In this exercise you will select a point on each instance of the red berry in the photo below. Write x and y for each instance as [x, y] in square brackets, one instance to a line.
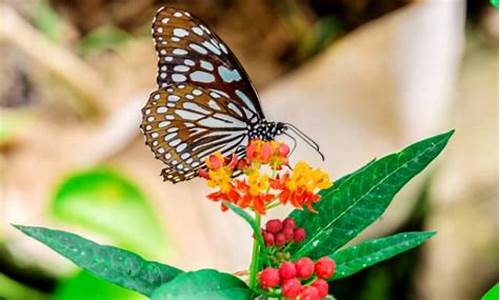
[280, 239]
[289, 223]
[310, 293]
[324, 267]
[269, 278]
[274, 226]
[291, 288]
[288, 232]
[304, 267]
[287, 270]
[299, 235]
[322, 287]
[268, 238]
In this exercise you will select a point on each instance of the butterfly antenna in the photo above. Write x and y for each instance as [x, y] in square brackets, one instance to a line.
[305, 138]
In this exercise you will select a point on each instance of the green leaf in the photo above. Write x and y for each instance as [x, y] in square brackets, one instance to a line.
[84, 286]
[491, 294]
[205, 284]
[109, 203]
[47, 21]
[113, 264]
[240, 212]
[494, 3]
[103, 38]
[354, 259]
[362, 198]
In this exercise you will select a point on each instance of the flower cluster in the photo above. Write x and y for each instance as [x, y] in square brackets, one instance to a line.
[302, 279]
[259, 190]
[280, 233]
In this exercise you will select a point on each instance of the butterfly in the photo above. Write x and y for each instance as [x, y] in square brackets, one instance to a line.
[205, 101]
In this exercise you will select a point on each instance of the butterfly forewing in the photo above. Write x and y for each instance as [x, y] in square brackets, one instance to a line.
[189, 52]
[183, 124]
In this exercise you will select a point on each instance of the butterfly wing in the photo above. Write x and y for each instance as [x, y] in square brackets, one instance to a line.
[189, 52]
[184, 124]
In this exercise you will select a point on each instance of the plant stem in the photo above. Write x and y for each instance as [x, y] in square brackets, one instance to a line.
[254, 264]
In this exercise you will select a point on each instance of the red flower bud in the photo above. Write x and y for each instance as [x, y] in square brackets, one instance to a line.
[288, 233]
[289, 223]
[215, 162]
[284, 149]
[291, 288]
[287, 270]
[266, 152]
[280, 239]
[322, 287]
[268, 238]
[299, 235]
[274, 226]
[203, 173]
[269, 278]
[304, 267]
[310, 293]
[324, 267]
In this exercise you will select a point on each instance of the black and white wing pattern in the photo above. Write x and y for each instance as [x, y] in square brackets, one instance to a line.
[205, 101]
[184, 124]
[189, 52]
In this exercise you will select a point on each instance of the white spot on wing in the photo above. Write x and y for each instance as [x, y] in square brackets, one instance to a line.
[180, 32]
[181, 68]
[213, 104]
[161, 109]
[228, 75]
[206, 65]
[173, 98]
[163, 124]
[197, 30]
[178, 77]
[201, 76]
[180, 51]
[198, 48]
[211, 47]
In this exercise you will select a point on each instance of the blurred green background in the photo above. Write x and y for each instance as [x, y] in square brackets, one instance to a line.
[366, 76]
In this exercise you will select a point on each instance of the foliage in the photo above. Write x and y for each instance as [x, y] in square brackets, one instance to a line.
[115, 265]
[340, 213]
[89, 197]
[491, 294]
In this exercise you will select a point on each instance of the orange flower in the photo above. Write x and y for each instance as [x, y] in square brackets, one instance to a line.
[301, 186]
[270, 153]
[257, 189]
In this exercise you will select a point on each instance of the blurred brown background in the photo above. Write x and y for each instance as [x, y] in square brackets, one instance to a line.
[363, 78]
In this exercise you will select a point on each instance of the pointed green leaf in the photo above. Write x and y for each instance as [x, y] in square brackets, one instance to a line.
[354, 259]
[115, 265]
[205, 284]
[111, 204]
[492, 293]
[362, 198]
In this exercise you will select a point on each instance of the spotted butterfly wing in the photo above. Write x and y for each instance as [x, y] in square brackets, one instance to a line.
[189, 52]
[205, 102]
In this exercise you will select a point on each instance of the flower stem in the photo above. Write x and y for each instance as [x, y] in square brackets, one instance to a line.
[254, 264]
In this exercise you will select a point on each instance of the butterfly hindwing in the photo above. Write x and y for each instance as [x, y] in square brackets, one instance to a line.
[189, 52]
[184, 124]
